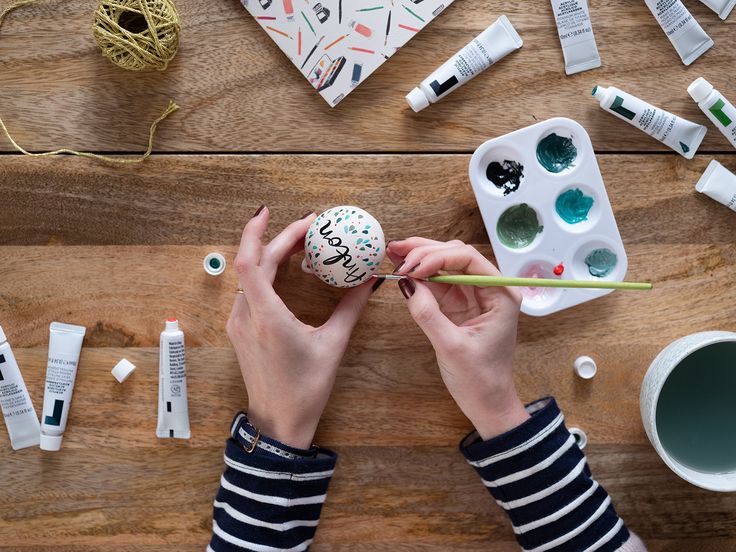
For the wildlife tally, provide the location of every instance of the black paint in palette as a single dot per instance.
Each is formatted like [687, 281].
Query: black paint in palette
[505, 176]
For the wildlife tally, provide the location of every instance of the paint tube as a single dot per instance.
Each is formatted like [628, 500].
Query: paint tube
[718, 183]
[683, 30]
[576, 35]
[722, 7]
[681, 135]
[65, 344]
[493, 44]
[719, 110]
[20, 416]
[173, 412]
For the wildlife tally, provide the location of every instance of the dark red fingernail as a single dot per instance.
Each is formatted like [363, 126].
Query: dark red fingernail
[305, 215]
[258, 212]
[396, 270]
[379, 282]
[414, 268]
[407, 287]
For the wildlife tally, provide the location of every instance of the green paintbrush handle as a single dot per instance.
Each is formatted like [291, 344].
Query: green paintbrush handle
[498, 281]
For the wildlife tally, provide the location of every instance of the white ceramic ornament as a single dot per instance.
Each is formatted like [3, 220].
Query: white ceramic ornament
[344, 246]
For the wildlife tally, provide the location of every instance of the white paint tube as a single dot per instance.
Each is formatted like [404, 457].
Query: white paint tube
[722, 7]
[681, 135]
[719, 110]
[173, 410]
[683, 30]
[20, 416]
[576, 35]
[493, 44]
[718, 183]
[65, 344]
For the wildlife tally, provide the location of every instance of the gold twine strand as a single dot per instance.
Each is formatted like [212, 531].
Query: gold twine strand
[152, 131]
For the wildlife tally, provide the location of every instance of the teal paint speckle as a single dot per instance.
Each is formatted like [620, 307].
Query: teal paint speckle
[573, 206]
[556, 153]
[601, 262]
[215, 263]
[518, 226]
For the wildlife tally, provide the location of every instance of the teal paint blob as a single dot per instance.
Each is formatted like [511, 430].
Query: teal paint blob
[518, 226]
[573, 206]
[215, 263]
[695, 413]
[601, 262]
[556, 153]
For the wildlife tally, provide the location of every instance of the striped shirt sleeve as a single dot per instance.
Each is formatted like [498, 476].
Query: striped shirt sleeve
[270, 499]
[537, 473]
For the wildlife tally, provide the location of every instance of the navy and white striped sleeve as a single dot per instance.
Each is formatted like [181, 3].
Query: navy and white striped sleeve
[270, 499]
[537, 473]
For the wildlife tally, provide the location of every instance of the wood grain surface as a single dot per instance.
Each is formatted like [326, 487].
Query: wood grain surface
[238, 92]
[119, 249]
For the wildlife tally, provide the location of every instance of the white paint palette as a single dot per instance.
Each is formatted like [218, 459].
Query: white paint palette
[547, 213]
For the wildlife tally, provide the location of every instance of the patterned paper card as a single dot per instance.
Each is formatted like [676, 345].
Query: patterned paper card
[336, 44]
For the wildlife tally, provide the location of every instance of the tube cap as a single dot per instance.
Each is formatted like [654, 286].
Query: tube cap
[3, 339]
[700, 89]
[172, 325]
[123, 370]
[599, 93]
[585, 367]
[417, 100]
[214, 264]
[51, 443]
[581, 439]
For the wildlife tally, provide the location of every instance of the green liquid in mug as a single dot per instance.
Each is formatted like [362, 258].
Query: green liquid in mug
[696, 410]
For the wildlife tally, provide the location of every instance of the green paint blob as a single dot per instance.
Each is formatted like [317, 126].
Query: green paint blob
[215, 263]
[573, 206]
[601, 262]
[518, 226]
[695, 410]
[556, 153]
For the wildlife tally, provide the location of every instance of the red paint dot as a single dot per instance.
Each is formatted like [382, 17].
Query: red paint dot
[559, 269]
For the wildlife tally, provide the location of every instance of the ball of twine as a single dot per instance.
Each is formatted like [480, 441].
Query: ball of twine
[138, 35]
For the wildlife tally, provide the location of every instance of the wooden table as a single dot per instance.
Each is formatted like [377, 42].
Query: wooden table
[118, 249]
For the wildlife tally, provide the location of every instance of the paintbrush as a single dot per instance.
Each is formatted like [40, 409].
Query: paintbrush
[313, 49]
[504, 281]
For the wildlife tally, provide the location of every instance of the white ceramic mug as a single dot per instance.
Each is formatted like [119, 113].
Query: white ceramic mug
[654, 380]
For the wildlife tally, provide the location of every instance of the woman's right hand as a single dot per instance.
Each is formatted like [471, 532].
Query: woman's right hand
[472, 329]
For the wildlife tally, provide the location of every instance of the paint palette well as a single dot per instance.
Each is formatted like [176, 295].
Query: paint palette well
[547, 213]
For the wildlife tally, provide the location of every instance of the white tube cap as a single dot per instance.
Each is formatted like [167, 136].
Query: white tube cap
[123, 370]
[581, 439]
[3, 339]
[700, 89]
[585, 367]
[214, 264]
[417, 100]
[51, 443]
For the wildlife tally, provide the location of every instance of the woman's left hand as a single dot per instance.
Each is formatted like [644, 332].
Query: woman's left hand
[289, 367]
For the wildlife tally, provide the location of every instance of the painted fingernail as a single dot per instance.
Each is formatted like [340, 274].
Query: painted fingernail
[258, 212]
[389, 242]
[396, 270]
[379, 282]
[407, 287]
[414, 268]
[305, 215]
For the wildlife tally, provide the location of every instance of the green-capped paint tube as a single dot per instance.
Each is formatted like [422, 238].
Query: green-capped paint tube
[681, 135]
[719, 110]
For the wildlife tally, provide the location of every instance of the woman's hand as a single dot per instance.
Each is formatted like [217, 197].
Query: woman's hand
[472, 329]
[288, 367]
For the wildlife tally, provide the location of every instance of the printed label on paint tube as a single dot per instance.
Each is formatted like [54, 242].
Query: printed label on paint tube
[65, 344]
[173, 410]
[683, 30]
[493, 44]
[20, 416]
[681, 135]
[576, 35]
